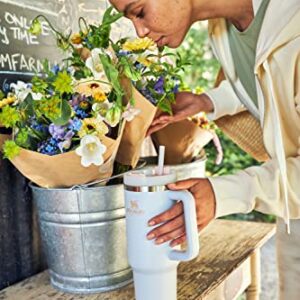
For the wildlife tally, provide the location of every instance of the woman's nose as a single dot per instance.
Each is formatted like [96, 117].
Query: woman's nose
[141, 30]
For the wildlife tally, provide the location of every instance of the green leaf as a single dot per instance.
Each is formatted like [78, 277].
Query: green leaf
[129, 70]
[165, 106]
[66, 112]
[112, 74]
[109, 17]
[27, 106]
[2, 95]
[36, 27]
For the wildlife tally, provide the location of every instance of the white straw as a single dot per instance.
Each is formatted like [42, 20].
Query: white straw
[161, 160]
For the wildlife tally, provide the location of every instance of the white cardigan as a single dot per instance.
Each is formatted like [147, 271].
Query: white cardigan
[273, 187]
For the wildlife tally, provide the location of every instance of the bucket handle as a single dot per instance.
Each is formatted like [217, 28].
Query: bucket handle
[83, 186]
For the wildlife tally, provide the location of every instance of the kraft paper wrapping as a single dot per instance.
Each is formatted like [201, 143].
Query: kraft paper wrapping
[244, 130]
[64, 170]
[183, 141]
[136, 130]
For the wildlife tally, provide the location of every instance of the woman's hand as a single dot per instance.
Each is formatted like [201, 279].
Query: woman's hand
[187, 105]
[173, 227]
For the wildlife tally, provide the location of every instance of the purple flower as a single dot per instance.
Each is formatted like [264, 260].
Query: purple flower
[67, 141]
[159, 86]
[57, 132]
[74, 102]
[147, 94]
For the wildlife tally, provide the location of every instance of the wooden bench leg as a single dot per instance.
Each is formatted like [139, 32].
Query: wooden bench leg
[253, 291]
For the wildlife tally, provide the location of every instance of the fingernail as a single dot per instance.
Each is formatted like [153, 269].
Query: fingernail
[159, 241]
[150, 236]
[151, 223]
[173, 244]
[171, 185]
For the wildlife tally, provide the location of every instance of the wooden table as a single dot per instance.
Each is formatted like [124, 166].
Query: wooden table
[228, 264]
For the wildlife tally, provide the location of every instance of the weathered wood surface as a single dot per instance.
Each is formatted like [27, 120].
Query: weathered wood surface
[225, 246]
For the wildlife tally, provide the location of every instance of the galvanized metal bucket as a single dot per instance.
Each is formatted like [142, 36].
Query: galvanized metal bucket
[84, 237]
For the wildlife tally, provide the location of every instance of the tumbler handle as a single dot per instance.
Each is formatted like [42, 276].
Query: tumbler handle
[191, 227]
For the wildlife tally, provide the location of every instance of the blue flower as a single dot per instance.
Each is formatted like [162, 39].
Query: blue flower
[6, 87]
[75, 124]
[176, 89]
[38, 127]
[55, 69]
[138, 65]
[81, 113]
[159, 86]
[49, 147]
[123, 53]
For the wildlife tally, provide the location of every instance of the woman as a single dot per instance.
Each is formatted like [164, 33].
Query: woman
[258, 45]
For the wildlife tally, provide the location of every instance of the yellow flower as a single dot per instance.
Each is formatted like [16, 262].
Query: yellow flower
[7, 101]
[93, 126]
[139, 45]
[199, 90]
[76, 39]
[98, 95]
[84, 104]
[87, 87]
[147, 62]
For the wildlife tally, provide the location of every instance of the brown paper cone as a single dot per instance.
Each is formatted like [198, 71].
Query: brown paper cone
[135, 131]
[183, 141]
[244, 130]
[64, 170]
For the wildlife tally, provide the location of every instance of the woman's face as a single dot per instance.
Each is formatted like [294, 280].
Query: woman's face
[164, 21]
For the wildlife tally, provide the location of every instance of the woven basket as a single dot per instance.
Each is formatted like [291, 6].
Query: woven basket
[244, 130]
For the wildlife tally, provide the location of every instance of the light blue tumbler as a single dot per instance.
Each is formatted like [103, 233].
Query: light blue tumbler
[155, 266]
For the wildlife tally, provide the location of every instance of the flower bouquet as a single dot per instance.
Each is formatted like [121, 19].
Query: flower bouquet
[67, 123]
[156, 76]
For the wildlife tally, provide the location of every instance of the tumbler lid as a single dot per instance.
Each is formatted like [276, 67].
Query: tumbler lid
[149, 177]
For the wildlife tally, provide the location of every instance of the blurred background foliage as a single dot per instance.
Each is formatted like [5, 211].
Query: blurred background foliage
[202, 73]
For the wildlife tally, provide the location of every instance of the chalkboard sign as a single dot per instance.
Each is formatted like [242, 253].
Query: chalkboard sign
[22, 53]
[21, 56]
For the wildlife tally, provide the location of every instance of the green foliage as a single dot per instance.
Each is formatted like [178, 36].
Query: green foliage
[22, 138]
[99, 36]
[235, 159]
[11, 149]
[204, 67]
[63, 83]
[9, 116]
[65, 114]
